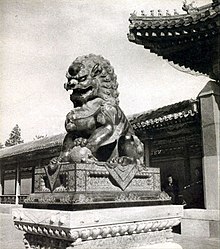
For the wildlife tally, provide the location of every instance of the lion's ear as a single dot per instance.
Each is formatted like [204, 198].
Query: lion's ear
[97, 69]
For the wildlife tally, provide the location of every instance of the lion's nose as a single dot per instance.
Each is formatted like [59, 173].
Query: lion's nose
[70, 84]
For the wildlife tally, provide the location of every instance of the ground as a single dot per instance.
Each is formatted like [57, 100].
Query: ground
[12, 238]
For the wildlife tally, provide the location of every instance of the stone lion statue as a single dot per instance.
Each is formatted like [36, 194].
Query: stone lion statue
[97, 129]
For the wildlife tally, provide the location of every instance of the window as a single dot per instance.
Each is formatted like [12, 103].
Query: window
[9, 177]
[26, 181]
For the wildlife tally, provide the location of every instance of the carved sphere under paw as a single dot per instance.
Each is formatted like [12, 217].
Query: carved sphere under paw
[81, 154]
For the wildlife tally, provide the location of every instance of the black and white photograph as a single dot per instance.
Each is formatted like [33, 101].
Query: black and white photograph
[110, 124]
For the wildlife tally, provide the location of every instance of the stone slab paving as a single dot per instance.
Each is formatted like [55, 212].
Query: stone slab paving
[197, 242]
[12, 238]
[9, 236]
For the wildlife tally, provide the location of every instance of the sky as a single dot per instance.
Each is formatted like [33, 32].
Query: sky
[40, 39]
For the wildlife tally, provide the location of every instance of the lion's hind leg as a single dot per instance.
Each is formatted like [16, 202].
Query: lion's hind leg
[130, 150]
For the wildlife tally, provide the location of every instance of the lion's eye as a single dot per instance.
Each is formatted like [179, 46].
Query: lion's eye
[83, 78]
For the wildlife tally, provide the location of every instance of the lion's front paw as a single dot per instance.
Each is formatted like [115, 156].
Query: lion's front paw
[61, 188]
[54, 160]
[81, 155]
[70, 127]
[52, 167]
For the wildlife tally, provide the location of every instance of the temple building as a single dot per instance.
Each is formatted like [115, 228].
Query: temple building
[17, 165]
[191, 42]
[173, 140]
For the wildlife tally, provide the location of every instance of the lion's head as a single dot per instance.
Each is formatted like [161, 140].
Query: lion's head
[91, 76]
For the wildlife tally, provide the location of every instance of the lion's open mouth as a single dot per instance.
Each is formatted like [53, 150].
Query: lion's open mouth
[80, 96]
[82, 92]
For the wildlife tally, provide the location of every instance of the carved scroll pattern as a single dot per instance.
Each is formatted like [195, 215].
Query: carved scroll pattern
[141, 182]
[100, 183]
[80, 180]
[156, 182]
[71, 181]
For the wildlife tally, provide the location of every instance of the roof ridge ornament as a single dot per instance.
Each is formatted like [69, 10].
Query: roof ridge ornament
[189, 8]
[175, 12]
[168, 13]
[152, 14]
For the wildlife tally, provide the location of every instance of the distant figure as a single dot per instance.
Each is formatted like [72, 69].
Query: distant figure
[172, 189]
[193, 193]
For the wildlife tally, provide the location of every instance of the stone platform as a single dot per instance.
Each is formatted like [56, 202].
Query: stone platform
[127, 227]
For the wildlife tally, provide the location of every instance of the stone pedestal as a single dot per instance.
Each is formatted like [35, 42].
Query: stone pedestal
[89, 186]
[127, 227]
[97, 205]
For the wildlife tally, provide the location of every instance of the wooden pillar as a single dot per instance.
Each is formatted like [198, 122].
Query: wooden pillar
[210, 117]
[187, 166]
[1, 180]
[147, 153]
[17, 184]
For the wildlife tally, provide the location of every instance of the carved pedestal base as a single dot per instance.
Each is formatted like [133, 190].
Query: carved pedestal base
[137, 241]
[89, 186]
[127, 227]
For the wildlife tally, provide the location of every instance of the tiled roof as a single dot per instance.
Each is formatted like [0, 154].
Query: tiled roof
[36, 145]
[174, 21]
[189, 40]
[165, 115]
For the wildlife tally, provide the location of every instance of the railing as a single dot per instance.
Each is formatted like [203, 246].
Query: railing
[21, 199]
[11, 199]
[7, 199]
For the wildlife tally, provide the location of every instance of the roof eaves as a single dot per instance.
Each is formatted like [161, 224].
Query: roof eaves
[37, 145]
[166, 118]
[142, 121]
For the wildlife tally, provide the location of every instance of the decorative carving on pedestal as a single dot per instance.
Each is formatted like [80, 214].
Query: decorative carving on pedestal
[52, 175]
[93, 183]
[80, 180]
[58, 231]
[127, 197]
[32, 241]
[123, 175]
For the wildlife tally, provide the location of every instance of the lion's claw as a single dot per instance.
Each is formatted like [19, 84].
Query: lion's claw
[123, 160]
[80, 142]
